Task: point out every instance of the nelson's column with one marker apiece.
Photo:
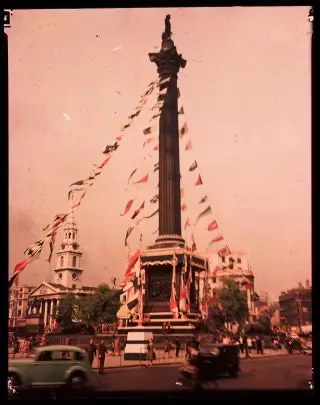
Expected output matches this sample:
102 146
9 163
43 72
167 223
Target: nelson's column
169 249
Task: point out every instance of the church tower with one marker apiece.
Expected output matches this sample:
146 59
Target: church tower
68 272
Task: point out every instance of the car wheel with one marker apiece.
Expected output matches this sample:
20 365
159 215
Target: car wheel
13 386
76 380
233 371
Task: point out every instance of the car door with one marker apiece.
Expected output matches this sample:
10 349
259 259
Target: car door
50 367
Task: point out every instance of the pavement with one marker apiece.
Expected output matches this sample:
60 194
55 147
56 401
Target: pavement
162 358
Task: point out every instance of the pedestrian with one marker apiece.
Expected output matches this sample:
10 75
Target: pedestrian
177 346
113 345
150 353
167 347
241 345
91 351
188 345
102 355
259 345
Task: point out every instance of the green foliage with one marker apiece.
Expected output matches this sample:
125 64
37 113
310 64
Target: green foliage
233 301
88 308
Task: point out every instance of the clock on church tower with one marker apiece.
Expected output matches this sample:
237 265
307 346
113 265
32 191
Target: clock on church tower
68 272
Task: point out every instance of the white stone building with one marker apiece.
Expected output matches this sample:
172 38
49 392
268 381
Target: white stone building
235 266
45 299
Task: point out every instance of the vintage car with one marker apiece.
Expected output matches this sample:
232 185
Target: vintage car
51 367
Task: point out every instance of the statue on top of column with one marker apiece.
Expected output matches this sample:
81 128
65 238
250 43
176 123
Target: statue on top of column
167 31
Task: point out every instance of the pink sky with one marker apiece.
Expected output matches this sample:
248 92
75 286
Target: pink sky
246 91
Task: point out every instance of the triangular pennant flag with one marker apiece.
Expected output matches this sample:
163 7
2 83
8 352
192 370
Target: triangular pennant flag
153 214
203 200
193 166
130 229
181 111
217 239
224 251
194 246
164 81
156 148
199 181
137 211
77 183
187 223
103 163
207 211
188 145
143 180
184 207
127 207
183 130
135 170
213 225
156 167
154 199
148 130
111 148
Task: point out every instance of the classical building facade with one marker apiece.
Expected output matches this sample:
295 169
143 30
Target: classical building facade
45 299
296 306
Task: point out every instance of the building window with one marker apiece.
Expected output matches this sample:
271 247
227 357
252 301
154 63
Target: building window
19 312
74 261
20 296
73 236
66 235
223 258
73 286
19 303
239 260
61 261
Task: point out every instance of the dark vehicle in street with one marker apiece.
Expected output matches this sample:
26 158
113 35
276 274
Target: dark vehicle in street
207 364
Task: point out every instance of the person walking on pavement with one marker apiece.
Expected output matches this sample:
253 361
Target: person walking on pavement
150 353
102 355
259 345
91 351
177 346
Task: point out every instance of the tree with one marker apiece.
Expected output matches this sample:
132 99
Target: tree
233 301
89 308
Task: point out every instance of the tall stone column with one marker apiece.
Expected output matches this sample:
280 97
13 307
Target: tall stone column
51 312
45 313
169 62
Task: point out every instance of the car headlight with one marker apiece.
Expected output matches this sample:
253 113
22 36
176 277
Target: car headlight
215 351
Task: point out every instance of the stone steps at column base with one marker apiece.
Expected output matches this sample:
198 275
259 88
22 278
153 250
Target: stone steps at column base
177 330
168 316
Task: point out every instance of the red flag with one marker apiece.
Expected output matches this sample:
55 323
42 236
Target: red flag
127 207
119 137
188 145
217 239
132 262
103 163
194 246
19 268
184 207
199 181
213 225
187 223
224 251
137 211
143 180
156 148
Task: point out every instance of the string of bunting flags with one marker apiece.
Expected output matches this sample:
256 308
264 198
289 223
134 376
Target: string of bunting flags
34 251
215 237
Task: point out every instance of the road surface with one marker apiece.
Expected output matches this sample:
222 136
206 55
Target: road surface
270 373
289 372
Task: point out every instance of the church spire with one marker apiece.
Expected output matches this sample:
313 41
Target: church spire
68 271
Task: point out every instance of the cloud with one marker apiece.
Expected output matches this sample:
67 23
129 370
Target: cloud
66 116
